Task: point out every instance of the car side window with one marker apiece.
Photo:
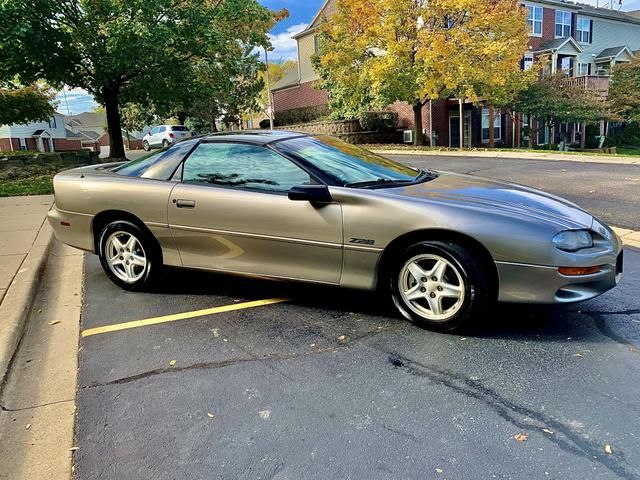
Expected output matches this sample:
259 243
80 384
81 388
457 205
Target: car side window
154 130
161 129
243 166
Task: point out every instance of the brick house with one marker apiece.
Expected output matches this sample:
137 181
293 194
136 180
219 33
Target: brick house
580 40
48 136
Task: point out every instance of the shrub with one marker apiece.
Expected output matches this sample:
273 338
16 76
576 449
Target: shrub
628 134
378 121
266 123
301 115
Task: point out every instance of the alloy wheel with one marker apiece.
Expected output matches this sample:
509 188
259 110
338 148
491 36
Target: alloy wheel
125 256
432 287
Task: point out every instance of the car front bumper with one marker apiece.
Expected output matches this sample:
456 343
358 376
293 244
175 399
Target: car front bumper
546 285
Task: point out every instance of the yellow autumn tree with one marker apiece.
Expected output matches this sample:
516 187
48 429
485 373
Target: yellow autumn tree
382 51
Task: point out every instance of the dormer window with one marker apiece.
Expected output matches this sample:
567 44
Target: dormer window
563 24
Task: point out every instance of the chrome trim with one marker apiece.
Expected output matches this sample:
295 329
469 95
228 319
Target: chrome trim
550 267
69 212
257 235
363 248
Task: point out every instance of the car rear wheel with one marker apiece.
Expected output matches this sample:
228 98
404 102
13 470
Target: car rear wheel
440 285
128 256
165 143
146 146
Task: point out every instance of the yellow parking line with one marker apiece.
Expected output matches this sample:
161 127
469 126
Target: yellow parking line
179 316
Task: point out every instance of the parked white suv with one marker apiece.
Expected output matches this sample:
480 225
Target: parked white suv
164 135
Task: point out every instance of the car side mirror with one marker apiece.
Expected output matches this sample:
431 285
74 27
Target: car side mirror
311 193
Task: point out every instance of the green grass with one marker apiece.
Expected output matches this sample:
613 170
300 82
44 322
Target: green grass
27 186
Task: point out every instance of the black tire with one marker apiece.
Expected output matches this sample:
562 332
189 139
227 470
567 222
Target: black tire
165 143
145 247
145 146
477 288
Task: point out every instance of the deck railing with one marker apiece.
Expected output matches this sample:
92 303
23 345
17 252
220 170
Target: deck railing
597 83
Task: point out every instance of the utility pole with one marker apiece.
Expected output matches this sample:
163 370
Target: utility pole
269 98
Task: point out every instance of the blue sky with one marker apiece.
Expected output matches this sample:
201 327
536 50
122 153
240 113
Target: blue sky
300 13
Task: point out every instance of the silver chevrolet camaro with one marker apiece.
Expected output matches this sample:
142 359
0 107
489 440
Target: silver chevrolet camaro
442 246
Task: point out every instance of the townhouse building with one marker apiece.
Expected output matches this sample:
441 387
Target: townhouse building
580 40
47 136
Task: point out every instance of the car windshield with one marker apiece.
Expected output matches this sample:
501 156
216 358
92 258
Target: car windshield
347 164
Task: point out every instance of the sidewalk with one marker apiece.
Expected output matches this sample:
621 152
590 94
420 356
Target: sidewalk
25 239
542 155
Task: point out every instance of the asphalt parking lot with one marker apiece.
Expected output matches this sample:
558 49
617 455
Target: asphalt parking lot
320 383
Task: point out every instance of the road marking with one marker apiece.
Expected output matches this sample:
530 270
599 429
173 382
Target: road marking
179 316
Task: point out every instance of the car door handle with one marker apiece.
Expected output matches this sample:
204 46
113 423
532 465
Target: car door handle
181 203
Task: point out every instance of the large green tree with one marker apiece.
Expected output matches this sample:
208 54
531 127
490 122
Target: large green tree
20 104
123 50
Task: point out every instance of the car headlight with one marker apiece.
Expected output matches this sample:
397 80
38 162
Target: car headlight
573 240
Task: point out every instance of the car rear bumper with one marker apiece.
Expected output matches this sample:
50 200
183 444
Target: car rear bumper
546 285
74 229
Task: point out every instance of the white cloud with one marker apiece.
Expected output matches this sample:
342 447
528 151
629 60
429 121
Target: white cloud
285 47
77 100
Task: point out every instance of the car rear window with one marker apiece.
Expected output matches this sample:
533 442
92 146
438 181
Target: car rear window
176 128
159 165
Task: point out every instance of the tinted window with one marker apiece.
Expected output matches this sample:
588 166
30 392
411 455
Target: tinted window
242 166
161 129
159 165
344 163
178 128
154 130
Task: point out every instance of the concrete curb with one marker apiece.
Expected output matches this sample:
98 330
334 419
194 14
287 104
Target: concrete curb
18 299
630 238
555 157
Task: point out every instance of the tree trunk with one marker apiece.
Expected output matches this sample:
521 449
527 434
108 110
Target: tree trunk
492 133
214 127
182 117
418 138
461 105
583 135
110 100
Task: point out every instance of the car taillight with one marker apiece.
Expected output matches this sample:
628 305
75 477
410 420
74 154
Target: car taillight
171 135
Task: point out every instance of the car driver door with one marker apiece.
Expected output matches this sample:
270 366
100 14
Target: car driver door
231 213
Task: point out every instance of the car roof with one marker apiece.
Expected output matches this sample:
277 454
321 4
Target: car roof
254 137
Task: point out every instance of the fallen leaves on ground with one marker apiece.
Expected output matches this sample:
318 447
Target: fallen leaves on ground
73 449
28 426
172 363
54 322
210 415
521 437
608 449
264 414
546 430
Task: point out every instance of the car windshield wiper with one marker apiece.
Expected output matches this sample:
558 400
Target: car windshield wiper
377 182
425 175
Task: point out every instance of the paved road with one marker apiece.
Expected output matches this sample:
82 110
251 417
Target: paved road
330 385
609 191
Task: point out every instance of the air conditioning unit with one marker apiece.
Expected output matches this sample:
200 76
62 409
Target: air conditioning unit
407 136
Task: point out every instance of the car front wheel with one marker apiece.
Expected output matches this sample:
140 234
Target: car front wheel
128 255
440 285
146 146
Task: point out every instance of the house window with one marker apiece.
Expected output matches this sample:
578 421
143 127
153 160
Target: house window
563 24
583 31
52 122
583 69
535 20
23 144
528 61
497 125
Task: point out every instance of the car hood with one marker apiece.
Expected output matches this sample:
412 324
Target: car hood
509 198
